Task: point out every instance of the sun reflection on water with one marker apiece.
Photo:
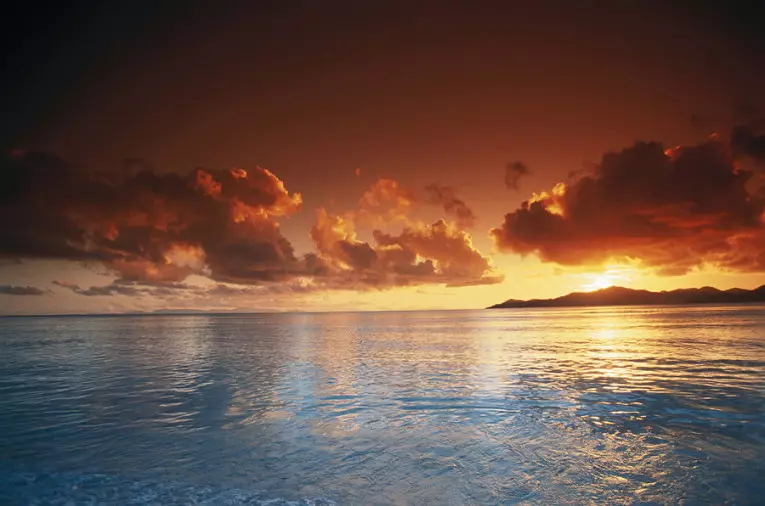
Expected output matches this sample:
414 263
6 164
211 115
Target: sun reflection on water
549 406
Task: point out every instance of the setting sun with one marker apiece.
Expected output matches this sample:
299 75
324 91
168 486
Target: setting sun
612 276
598 283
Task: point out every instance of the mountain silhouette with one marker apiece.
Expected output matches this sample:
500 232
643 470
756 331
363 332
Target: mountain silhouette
620 296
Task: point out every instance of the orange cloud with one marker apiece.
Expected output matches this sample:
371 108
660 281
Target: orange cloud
440 253
673 209
387 201
450 252
421 254
155 229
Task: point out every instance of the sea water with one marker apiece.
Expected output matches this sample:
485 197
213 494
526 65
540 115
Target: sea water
641 405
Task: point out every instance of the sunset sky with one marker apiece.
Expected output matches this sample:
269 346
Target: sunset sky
289 155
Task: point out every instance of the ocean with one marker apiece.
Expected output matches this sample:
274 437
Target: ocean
639 405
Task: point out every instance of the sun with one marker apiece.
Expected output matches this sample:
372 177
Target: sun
612 275
602 280
599 282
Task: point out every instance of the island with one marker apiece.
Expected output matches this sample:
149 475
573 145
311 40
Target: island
620 296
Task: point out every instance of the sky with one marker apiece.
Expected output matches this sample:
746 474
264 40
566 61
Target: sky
339 155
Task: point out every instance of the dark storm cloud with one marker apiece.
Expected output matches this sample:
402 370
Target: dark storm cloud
20 290
514 172
147 226
673 209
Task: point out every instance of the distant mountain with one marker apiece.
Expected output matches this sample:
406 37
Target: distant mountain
619 296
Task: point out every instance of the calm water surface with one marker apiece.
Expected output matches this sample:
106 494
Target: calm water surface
554 406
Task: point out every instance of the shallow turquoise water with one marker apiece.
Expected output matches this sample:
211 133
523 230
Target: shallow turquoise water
553 406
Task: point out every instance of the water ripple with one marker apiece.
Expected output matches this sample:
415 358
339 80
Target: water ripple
586 406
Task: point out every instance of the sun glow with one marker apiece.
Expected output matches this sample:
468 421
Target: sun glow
598 283
610 277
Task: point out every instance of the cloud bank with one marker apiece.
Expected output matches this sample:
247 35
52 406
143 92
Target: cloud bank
153 230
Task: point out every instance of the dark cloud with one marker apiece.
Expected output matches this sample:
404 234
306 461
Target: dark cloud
221 290
514 172
359 255
147 226
20 290
446 196
182 291
672 209
116 288
749 140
